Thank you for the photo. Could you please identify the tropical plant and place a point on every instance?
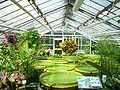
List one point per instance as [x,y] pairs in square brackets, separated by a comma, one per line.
[107,48]
[8,52]
[94,48]
[112,80]
[86,48]
[99,68]
[68,47]
[11,79]
[109,52]
[16,55]
[33,38]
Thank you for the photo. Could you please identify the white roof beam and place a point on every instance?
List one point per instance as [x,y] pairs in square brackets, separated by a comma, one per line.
[108,33]
[10,27]
[94,24]
[16,3]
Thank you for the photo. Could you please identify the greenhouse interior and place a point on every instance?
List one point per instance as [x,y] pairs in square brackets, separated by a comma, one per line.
[59,44]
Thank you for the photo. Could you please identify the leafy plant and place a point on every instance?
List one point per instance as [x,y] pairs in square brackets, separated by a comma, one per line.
[11,78]
[99,68]
[68,47]
[32,36]
[109,55]
[113,79]
[17,55]
[94,48]
[109,52]
[107,48]
[86,48]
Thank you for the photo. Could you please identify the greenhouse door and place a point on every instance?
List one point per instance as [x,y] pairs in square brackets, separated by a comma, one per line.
[56,47]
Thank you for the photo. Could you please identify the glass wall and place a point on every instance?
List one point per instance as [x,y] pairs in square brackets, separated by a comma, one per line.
[83,44]
[49,41]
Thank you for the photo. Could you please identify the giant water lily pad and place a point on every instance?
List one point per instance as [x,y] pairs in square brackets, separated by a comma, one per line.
[60,61]
[86,70]
[59,79]
[41,64]
[61,67]
[92,57]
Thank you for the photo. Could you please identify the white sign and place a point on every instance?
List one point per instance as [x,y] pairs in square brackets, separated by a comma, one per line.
[89,82]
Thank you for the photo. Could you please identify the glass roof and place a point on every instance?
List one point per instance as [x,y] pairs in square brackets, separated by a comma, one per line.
[95,18]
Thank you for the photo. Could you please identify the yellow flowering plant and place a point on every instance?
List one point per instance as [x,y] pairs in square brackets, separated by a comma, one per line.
[69,47]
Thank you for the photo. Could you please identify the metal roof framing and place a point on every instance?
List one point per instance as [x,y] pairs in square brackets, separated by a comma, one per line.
[93,19]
